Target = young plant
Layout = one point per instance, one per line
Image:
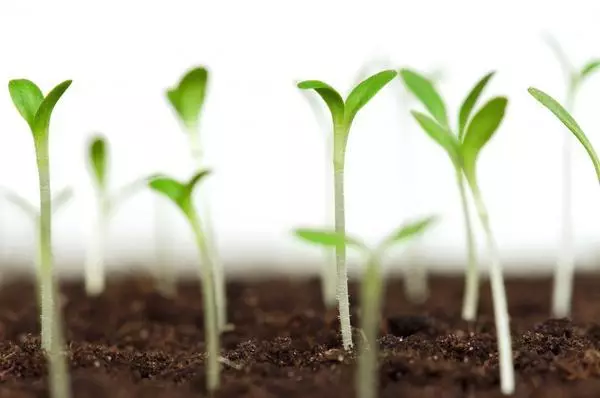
(98, 158)
(37, 111)
(565, 266)
(181, 194)
(342, 115)
(463, 148)
(372, 287)
(187, 99)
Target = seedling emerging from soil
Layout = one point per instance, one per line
(463, 148)
(98, 158)
(181, 194)
(371, 293)
(342, 114)
(565, 266)
(187, 99)
(37, 111)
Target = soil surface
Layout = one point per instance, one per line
(132, 342)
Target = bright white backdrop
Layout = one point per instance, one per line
(261, 138)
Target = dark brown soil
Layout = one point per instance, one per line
(131, 342)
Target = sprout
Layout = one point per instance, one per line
(342, 114)
(565, 266)
(371, 292)
(187, 99)
(181, 195)
(463, 148)
(37, 111)
(98, 158)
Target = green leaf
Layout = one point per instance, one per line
(332, 98)
(440, 135)
(327, 238)
(469, 103)
(98, 158)
(26, 97)
(178, 192)
(188, 97)
(561, 113)
(364, 92)
(199, 176)
(41, 123)
(589, 68)
(425, 92)
(481, 128)
(410, 230)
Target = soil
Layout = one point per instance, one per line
(132, 342)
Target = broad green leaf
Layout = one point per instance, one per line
(363, 93)
(469, 103)
(410, 230)
(481, 128)
(440, 135)
(170, 188)
(41, 123)
(188, 97)
(332, 98)
(425, 92)
(561, 113)
(98, 158)
(327, 238)
(26, 97)
(589, 68)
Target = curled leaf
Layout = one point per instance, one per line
(426, 93)
(364, 92)
(332, 98)
(565, 117)
(26, 97)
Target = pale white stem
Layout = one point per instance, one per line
(565, 266)
(328, 269)
(95, 278)
(416, 286)
(501, 317)
(471, 295)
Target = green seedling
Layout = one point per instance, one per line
(463, 148)
(181, 194)
(37, 111)
(342, 115)
(98, 159)
(187, 99)
(33, 213)
(565, 266)
(372, 287)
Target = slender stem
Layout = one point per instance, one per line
(471, 295)
(209, 234)
(211, 329)
(371, 292)
(565, 266)
(165, 276)
(95, 275)
(52, 339)
(416, 287)
(507, 376)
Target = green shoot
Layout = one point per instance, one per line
(98, 158)
(37, 111)
(181, 195)
(187, 99)
(371, 293)
(463, 148)
(565, 266)
(342, 114)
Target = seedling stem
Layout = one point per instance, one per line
(471, 294)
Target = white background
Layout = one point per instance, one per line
(261, 138)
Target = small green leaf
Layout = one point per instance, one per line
(440, 135)
(481, 128)
(98, 158)
(332, 98)
(178, 192)
(364, 92)
(469, 104)
(589, 68)
(26, 97)
(41, 123)
(561, 113)
(188, 97)
(425, 92)
(199, 176)
(327, 238)
(410, 230)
